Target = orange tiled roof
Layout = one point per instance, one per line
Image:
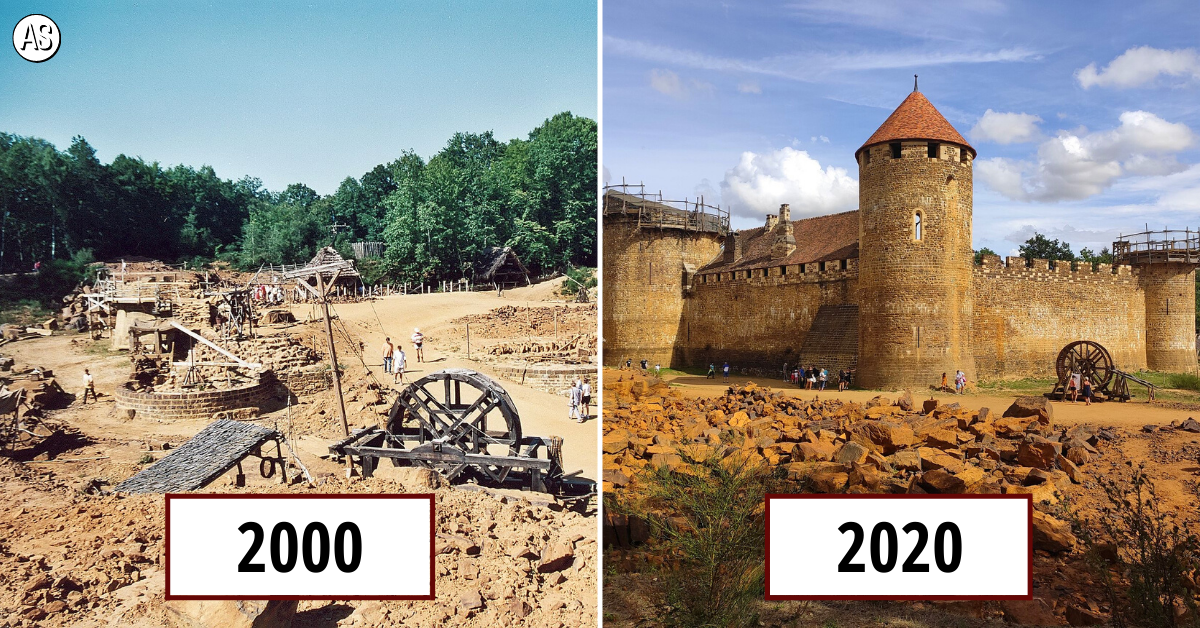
(818, 239)
(915, 119)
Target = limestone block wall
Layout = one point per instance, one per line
(193, 405)
(644, 288)
(1024, 315)
(916, 314)
(548, 378)
(760, 321)
(1170, 316)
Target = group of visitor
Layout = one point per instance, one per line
(394, 358)
(580, 395)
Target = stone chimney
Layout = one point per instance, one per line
(771, 220)
(733, 248)
(785, 242)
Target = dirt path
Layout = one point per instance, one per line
(1130, 415)
(542, 414)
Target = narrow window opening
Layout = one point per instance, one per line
(821, 267)
(895, 150)
(843, 264)
(782, 270)
(933, 149)
(866, 156)
(917, 226)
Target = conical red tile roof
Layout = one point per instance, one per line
(915, 119)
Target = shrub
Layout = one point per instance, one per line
(1185, 381)
(577, 276)
(1148, 552)
(708, 513)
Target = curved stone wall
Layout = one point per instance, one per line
(193, 405)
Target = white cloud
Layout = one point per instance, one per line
(1078, 164)
(811, 66)
(670, 83)
(759, 183)
(749, 87)
(822, 138)
(1138, 66)
(1006, 128)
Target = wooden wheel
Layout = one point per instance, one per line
(461, 409)
(1088, 358)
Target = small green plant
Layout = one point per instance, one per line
(577, 277)
(146, 459)
(708, 514)
(1185, 381)
(1145, 557)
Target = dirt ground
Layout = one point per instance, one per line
(71, 557)
(633, 589)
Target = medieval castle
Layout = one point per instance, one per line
(891, 289)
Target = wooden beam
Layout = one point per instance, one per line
(242, 363)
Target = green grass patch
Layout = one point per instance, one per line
(1184, 381)
(26, 313)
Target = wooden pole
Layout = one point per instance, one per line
(337, 377)
(468, 341)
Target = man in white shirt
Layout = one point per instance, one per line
(418, 340)
(586, 397)
(89, 386)
(398, 364)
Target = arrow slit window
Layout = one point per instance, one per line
(917, 225)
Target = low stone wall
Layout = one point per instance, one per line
(547, 378)
(194, 405)
(306, 381)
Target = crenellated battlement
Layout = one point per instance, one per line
(812, 272)
(1045, 270)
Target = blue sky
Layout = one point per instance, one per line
(1085, 115)
(292, 92)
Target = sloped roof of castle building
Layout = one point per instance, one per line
(818, 239)
(915, 119)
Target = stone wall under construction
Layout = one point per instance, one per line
(760, 321)
(1024, 315)
(194, 405)
(643, 279)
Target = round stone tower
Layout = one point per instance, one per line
(1170, 316)
(915, 257)
(651, 251)
(1165, 264)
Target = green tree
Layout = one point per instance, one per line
(1104, 257)
(980, 253)
(1041, 247)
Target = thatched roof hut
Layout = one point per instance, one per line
(500, 266)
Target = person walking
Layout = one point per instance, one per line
(812, 377)
(388, 349)
(945, 387)
(725, 371)
(1073, 387)
(960, 382)
(645, 365)
(418, 340)
(657, 370)
(823, 377)
(586, 397)
(573, 411)
(1087, 392)
(398, 364)
(712, 371)
(89, 387)
(628, 364)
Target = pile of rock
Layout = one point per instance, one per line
(279, 352)
(832, 446)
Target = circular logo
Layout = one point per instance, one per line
(36, 38)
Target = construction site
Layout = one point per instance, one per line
(156, 379)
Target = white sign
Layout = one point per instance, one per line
(356, 546)
(36, 38)
(916, 547)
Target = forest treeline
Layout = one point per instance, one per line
(537, 195)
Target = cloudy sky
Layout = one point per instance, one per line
(1087, 121)
(297, 92)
